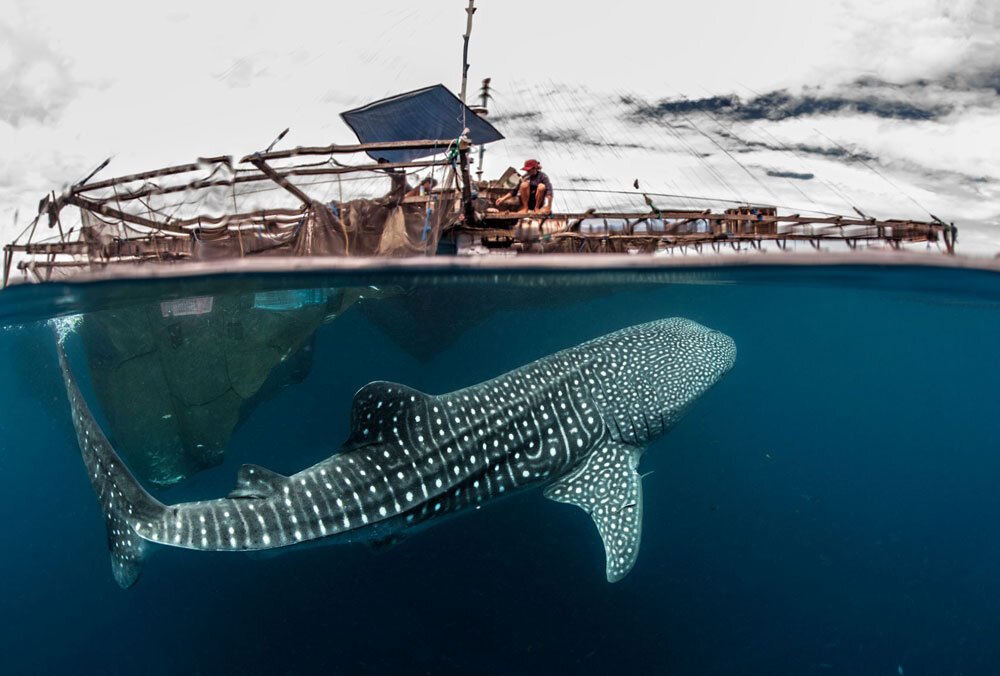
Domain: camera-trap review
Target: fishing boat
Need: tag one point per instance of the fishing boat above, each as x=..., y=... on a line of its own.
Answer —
x=333, y=202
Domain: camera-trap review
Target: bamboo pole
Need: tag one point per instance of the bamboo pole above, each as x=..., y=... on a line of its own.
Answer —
x=354, y=148
x=463, y=158
x=165, y=171
x=297, y=171
x=470, y=10
x=281, y=180
x=110, y=212
x=8, y=257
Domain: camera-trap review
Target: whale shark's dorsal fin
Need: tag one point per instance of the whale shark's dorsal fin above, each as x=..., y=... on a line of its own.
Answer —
x=606, y=486
x=377, y=408
x=253, y=481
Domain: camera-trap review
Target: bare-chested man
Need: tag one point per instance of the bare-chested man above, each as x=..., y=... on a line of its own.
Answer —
x=534, y=193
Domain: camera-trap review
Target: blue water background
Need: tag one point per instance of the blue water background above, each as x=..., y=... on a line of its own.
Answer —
x=831, y=507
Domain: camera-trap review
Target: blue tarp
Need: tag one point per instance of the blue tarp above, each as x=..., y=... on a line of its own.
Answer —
x=423, y=114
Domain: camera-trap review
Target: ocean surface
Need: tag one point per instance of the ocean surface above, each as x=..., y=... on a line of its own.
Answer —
x=830, y=507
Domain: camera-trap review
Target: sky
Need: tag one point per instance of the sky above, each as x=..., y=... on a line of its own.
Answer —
x=890, y=106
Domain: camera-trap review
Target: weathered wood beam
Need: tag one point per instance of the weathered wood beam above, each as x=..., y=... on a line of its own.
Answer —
x=715, y=217
x=165, y=171
x=280, y=180
x=8, y=256
x=110, y=212
x=355, y=148
x=298, y=171
x=43, y=265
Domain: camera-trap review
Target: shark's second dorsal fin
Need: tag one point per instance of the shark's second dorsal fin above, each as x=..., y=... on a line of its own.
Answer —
x=606, y=486
x=378, y=408
x=253, y=481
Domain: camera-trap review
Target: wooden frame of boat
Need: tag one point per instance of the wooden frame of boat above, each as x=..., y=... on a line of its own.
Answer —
x=667, y=229
x=157, y=238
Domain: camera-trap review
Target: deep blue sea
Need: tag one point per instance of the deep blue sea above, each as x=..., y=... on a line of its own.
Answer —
x=830, y=507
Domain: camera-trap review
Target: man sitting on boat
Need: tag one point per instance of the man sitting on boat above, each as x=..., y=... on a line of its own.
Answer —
x=534, y=193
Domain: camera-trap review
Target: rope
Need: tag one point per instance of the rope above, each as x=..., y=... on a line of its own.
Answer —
x=855, y=157
x=427, y=221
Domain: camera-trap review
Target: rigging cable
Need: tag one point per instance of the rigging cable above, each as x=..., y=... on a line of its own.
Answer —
x=850, y=154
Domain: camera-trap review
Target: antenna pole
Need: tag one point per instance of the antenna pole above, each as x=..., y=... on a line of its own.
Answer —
x=484, y=97
x=470, y=10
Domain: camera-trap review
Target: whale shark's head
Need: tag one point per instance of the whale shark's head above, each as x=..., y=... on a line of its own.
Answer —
x=651, y=373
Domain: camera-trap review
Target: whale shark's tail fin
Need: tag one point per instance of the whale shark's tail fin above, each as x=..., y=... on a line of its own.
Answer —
x=126, y=505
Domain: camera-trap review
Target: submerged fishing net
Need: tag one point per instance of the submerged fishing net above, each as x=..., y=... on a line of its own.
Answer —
x=174, y=378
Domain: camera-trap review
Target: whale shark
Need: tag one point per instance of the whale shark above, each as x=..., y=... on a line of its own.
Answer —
x=575, y=422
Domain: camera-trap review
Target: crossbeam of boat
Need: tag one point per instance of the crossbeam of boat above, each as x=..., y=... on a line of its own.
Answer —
x=714, y=217
x=164, y=171
x=334, y=149
x=284, y=172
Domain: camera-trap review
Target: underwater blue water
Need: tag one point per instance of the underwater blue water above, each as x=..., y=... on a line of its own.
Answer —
x=830, y=507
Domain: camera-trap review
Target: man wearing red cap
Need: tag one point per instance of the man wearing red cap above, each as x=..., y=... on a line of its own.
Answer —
x=534, y=192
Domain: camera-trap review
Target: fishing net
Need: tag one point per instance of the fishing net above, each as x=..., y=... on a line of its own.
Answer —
x=214, y=209
x=175, y=377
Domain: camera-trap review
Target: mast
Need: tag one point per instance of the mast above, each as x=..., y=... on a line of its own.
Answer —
x=484, y=96
x=470, y=10
x=463, y=142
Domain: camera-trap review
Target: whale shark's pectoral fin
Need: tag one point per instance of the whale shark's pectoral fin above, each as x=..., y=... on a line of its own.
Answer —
x=377, y=407
x=253, y=481
x=606, y=486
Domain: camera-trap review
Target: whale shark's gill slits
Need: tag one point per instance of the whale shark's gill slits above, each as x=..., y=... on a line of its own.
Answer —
x=632, y=432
